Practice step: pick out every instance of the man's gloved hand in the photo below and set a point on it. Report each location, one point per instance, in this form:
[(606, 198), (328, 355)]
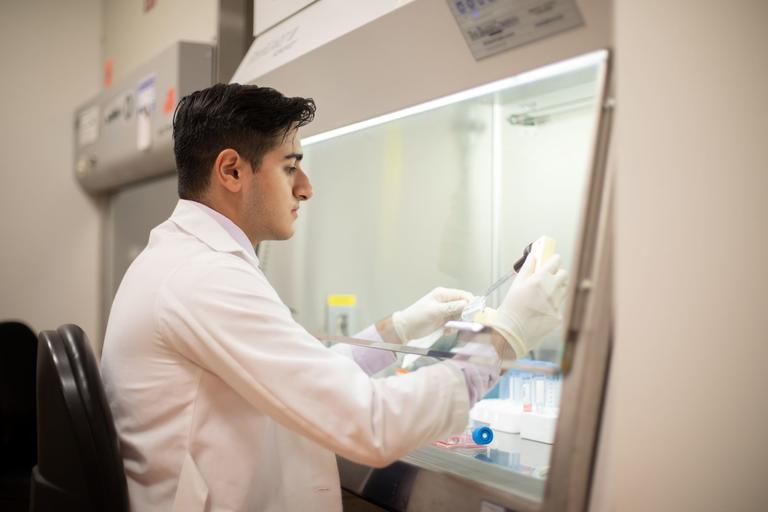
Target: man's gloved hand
[(531, 308), (429, 313)]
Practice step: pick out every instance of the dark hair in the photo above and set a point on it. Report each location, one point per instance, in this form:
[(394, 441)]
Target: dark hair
[(249, 119)]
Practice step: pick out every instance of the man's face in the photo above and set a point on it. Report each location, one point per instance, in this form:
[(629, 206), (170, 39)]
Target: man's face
[(272, 194)]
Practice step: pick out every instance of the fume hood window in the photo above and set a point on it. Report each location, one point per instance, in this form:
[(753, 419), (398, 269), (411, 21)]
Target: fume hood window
[(449, 194)]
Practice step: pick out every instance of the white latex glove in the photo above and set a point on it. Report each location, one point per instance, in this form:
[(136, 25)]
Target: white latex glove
[(429, 313), (531, 308)]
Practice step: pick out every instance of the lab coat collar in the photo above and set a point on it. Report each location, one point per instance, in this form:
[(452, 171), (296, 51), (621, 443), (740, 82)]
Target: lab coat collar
[(190, 217)]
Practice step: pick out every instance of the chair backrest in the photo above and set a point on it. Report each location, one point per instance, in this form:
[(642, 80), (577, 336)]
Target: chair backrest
[(79, 463), (18, 354), (18, 438)]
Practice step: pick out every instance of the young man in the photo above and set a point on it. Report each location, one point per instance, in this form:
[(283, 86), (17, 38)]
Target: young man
[(221, 400)]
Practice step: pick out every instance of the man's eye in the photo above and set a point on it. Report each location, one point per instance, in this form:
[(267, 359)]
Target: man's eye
[(290, 169)]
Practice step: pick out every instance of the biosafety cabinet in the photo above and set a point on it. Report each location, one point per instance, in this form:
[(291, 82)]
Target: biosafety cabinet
[(448, 136)]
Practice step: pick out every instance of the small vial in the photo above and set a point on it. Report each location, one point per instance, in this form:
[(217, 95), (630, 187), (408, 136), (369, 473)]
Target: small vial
[(505, 385), (526, 387), (554, 388), (539, 393)]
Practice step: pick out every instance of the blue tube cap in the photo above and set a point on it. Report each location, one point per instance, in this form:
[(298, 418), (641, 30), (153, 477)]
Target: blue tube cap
[(482, 435)]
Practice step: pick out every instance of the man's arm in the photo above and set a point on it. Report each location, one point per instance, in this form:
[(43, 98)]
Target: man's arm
[(386, 329), (230, 322)]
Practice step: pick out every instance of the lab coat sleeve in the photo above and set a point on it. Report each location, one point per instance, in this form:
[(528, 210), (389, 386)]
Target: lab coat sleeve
[(371, 360), (224, 316)]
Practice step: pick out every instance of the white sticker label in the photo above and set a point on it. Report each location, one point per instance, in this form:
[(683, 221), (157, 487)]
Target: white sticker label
[(268, 13), (119, 109), (146, 98), (301, 33), (88, 126), (492, 26), (143, 130)]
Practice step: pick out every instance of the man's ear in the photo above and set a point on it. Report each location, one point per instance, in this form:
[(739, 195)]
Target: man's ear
[(228, 169)]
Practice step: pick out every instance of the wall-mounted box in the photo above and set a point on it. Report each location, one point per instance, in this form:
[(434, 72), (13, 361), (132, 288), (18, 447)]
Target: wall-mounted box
[(125, 133)]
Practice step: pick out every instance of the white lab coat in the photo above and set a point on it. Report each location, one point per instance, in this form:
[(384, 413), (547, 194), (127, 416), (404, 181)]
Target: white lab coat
[(224, 403)]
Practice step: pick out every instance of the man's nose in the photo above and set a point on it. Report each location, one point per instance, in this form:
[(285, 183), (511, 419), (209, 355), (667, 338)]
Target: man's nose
[(302, 188)]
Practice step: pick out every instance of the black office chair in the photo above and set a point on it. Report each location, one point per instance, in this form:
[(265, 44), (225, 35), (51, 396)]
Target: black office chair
[(79, 467), (18, 440)]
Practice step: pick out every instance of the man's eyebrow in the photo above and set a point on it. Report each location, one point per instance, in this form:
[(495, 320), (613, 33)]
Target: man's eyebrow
[(297, 156)]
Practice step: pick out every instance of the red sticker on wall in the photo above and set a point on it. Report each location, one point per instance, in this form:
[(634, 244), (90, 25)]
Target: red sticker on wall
[(170, 100), (108, 65)]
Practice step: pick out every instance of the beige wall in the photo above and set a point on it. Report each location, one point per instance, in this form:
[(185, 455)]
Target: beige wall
[(53, 54), (49, 228), (132, 36), (688, 426)]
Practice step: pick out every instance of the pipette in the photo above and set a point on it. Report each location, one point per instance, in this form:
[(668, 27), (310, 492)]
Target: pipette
[(474, 307)]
